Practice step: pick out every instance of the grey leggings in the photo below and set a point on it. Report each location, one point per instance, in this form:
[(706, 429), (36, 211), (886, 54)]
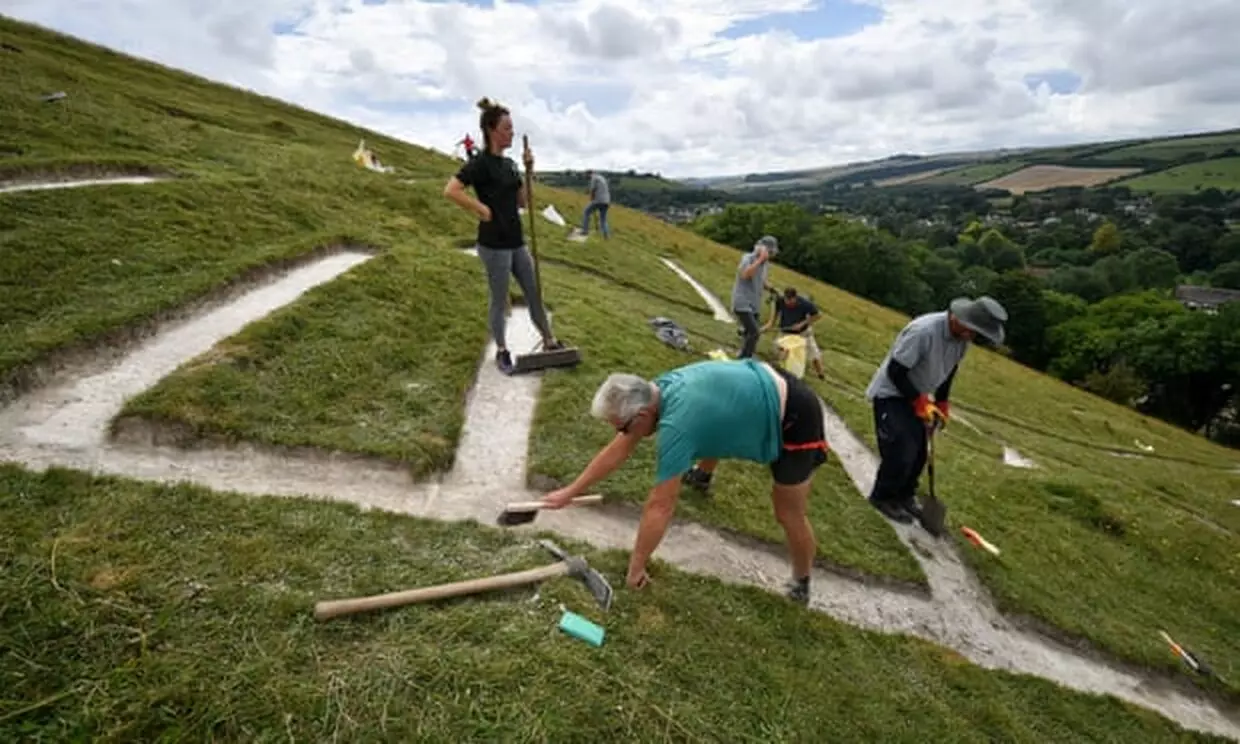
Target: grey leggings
[(501, 264)]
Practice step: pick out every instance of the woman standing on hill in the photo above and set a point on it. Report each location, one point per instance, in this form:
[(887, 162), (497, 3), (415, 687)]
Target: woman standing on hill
[(501, 243)]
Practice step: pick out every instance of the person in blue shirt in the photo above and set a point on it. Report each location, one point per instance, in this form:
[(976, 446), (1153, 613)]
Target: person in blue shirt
[(705, 412)]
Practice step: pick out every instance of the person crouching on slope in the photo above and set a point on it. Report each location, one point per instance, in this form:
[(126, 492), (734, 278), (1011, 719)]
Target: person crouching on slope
[(796, 316), (923, 359), (747, 291), (501, 242), (707, 411)]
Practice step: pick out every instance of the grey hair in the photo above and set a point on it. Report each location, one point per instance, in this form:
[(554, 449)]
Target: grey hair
[(621, 396)]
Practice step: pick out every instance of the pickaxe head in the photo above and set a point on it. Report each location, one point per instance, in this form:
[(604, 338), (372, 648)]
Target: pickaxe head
[(578, 568)]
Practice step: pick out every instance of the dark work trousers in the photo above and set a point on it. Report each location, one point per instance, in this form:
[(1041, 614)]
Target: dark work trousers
[(902, 449), (749, 323)]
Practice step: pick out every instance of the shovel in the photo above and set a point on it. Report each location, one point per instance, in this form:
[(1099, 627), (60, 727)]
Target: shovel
[(524, 512), (933, 513)]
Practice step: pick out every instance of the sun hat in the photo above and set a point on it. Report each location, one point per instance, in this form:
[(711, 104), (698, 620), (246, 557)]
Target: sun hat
[(984, 316)]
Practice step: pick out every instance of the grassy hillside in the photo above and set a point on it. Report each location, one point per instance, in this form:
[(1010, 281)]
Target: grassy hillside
[(379, 363), (1222, 174), (134, 613)]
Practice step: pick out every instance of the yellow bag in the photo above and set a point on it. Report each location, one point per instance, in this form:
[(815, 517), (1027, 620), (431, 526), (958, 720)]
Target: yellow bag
[(792, 354)]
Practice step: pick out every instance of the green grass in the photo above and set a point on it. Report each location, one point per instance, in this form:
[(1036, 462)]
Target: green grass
[(1223, 174), (1172, 149), (137, 612), (973, 174), (262, 182), (613, 321)]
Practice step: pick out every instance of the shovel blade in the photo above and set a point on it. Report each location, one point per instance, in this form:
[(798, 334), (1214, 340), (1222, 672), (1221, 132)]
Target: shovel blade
[(933, 515)]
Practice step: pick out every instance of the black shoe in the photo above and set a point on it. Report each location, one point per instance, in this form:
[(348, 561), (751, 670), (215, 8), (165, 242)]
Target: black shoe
[(697, 478), (913, 508), (798, 591), (503, 361), (894, 512)]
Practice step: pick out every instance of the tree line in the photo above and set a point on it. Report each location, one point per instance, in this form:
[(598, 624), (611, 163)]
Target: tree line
[(1088, 277)]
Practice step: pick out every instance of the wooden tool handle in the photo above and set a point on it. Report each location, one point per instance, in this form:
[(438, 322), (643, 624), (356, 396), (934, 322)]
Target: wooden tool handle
[(594, 498), (336, 607)]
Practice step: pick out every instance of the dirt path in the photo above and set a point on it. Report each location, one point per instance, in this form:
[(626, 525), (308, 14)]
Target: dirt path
[(64, 424)]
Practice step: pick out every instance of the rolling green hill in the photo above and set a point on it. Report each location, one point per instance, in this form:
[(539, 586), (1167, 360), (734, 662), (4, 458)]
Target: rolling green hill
[(136, 610), (1151, 156)]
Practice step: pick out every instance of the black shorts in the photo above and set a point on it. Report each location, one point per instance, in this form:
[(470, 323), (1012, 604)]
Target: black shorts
[(804, 434)]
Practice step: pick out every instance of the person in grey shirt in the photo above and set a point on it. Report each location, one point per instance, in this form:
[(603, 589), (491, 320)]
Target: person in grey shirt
[(922, 360), (748, 289), (600, 201)]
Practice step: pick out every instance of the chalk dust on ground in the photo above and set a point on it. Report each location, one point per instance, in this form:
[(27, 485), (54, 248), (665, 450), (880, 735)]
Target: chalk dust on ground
[(42, 184), (64, 425)]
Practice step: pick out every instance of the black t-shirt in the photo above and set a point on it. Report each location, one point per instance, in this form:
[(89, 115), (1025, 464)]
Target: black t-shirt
[(799, 311), (496, 181)]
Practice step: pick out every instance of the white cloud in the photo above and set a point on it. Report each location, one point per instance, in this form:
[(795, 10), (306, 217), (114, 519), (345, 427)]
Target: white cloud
[(657, 85)]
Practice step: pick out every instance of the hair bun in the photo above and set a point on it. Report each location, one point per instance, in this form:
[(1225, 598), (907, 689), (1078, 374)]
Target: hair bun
[(485, 104)]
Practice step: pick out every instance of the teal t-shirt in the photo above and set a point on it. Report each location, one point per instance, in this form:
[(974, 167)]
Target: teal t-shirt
[(724, 409)]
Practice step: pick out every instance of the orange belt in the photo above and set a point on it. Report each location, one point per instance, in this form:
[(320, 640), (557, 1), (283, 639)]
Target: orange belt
[(820, 444)]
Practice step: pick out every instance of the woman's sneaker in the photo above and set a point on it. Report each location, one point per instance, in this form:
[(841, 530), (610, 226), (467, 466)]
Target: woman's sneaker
[(503, 361)]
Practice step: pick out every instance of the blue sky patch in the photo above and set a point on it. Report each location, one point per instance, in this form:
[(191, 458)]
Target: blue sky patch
[(826, 20), (1062, 82)]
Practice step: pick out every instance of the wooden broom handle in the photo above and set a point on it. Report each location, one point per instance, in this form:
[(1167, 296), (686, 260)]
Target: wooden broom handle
[(594, 498), (336, 607)]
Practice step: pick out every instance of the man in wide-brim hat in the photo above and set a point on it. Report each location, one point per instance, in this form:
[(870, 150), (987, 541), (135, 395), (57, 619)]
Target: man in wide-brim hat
[(922, 361)]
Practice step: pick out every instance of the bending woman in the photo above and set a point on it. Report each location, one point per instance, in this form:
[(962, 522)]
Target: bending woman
[(501, 243)]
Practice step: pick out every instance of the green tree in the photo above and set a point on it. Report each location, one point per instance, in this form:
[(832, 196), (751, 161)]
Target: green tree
[(1119, 384), (1117, 273), (976, 280), (1153, 268), (1060, 307), (1021, 295), (1226, 249), (1107, 239), (1226, 276), (942, 277), (1080, 281), (1009, 257)]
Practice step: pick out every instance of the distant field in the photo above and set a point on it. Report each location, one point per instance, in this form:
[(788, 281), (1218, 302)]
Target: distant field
[(971, 174), (1041, 177), (911, 178), (1211, 144), (1222, 174)]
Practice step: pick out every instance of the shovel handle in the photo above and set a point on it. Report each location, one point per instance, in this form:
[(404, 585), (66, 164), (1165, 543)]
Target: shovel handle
[(336, 607), (594, 498)]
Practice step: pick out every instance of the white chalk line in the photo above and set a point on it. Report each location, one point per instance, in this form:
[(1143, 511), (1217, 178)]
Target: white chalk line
[(721, 313), (42, 185), (63, 425)]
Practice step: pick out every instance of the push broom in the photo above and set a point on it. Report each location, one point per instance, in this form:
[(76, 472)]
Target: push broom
[(569, 356), (524, 512)]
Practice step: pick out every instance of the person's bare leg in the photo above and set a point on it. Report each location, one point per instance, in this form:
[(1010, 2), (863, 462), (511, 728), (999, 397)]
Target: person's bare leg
[(708, 466), (791, 512)]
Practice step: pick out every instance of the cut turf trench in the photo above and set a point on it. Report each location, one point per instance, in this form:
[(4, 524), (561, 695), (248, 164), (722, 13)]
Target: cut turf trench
[(37, 432)]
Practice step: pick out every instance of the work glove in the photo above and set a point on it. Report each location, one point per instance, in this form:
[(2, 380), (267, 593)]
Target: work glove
[(926, 410)]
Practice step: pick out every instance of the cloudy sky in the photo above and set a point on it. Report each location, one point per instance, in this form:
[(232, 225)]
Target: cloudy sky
[(707, 87)]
